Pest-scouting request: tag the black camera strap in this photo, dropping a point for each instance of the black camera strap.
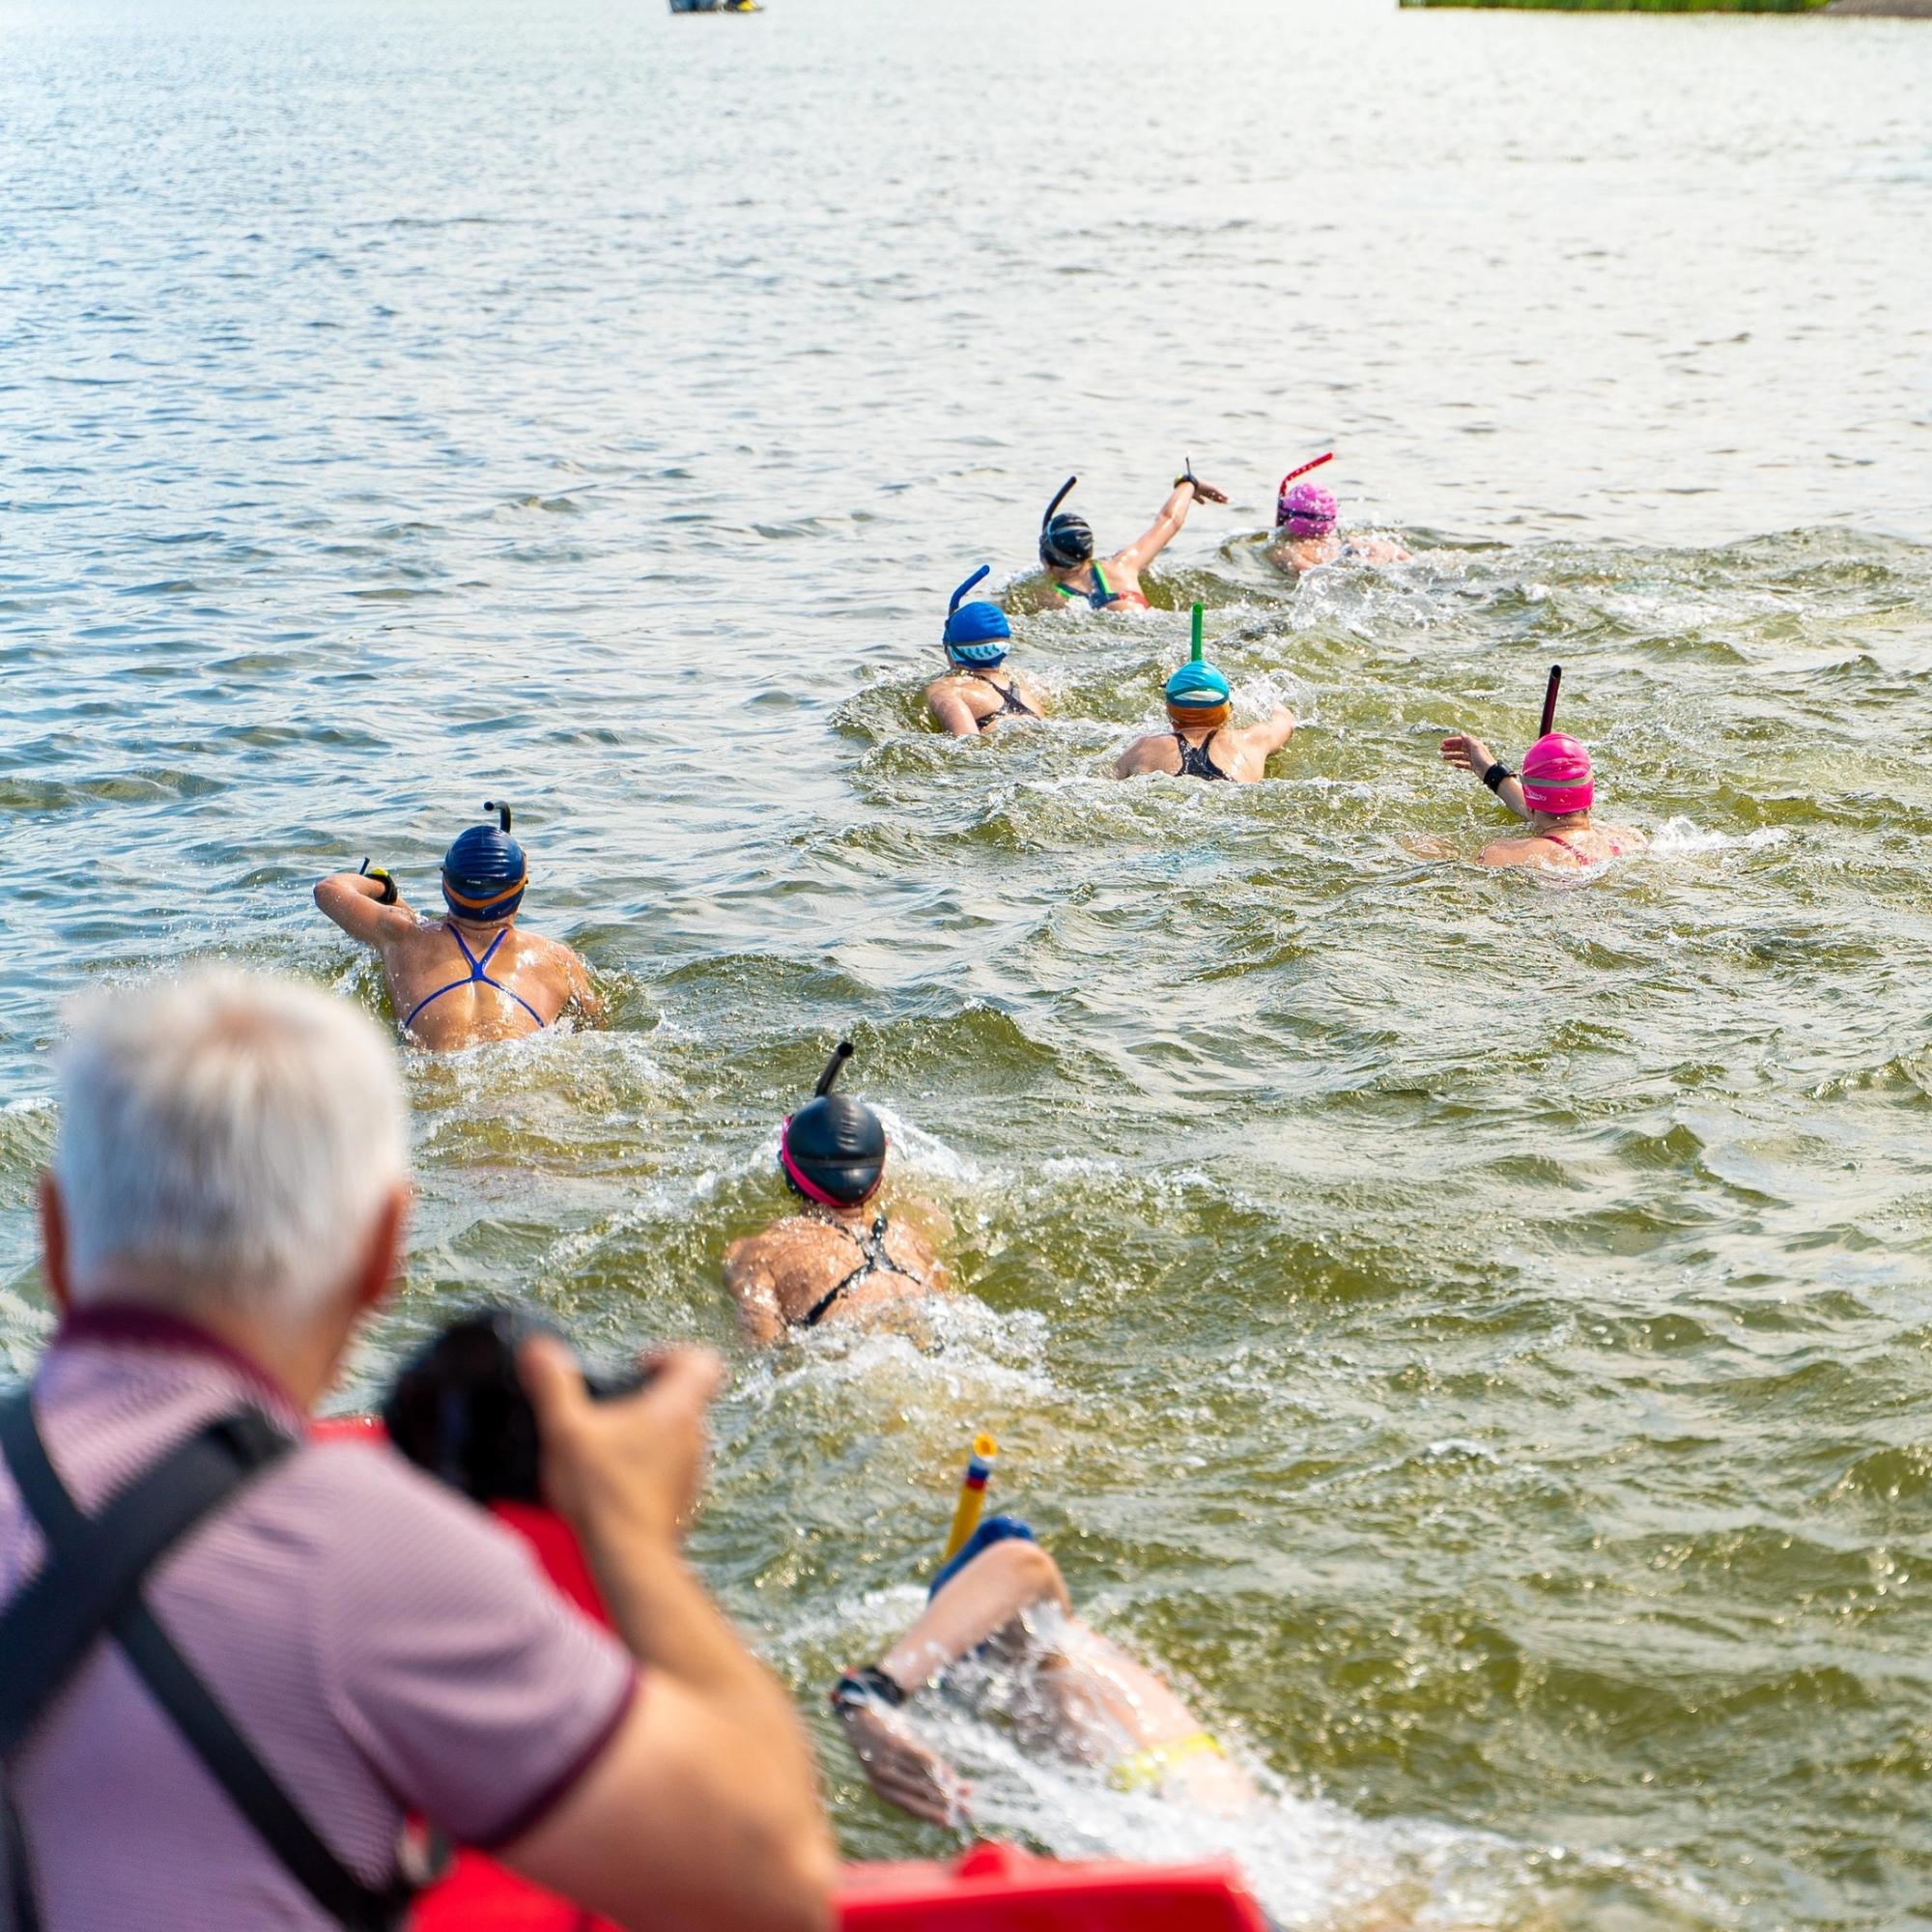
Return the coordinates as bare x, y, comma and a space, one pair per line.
90, 1587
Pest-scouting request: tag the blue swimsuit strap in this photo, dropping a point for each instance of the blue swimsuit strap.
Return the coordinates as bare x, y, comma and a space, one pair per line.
477, 977
1102, 593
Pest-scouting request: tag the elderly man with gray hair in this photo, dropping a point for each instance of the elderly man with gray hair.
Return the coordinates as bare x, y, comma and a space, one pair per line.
233, 1660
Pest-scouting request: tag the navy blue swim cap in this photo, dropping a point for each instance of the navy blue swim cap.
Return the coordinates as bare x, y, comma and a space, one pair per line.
1067, 542
973, 629
484, 874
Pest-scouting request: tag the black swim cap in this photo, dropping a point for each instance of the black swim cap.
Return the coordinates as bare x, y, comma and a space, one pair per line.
833, 1150
1065, 541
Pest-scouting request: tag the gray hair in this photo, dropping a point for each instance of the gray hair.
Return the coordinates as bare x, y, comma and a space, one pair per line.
229, 1137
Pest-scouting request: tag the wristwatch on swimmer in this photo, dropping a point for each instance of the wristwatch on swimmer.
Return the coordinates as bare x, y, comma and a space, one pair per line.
856, 1688
1495, 775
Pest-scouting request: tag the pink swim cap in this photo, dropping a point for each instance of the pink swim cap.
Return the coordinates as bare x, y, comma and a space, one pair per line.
1556, 776
1306, 511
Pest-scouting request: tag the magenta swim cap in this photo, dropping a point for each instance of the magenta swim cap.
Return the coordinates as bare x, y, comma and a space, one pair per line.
1556, 776
1306, 511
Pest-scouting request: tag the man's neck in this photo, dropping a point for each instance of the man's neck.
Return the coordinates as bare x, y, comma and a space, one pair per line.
301, 1359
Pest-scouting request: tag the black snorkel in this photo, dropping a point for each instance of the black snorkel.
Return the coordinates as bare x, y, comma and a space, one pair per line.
1550, 700
503, 812
833, 1150
844, 1051
1065, 542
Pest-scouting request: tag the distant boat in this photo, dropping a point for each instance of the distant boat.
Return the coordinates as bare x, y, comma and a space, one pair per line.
716, 6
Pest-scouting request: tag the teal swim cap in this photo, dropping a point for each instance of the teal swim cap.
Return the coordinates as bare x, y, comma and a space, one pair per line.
1198, 685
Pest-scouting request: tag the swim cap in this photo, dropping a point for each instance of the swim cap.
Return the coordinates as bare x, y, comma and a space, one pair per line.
1306, 511
1198, 687
973, 629
485, 871
833, 1150
1556, 776
1065, 541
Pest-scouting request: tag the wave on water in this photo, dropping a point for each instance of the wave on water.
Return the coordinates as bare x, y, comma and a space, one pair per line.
1682, 838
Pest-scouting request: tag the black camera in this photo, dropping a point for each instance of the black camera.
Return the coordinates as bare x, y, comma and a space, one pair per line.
458, 1408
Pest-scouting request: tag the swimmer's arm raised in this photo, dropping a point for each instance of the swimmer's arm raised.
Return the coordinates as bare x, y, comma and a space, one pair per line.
354, 902
1165, 527
1468, 753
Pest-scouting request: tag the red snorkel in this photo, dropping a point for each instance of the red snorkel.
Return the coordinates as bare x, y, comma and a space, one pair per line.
1327, 456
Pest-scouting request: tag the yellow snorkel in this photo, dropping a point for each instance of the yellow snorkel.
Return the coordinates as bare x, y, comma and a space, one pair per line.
972, 1503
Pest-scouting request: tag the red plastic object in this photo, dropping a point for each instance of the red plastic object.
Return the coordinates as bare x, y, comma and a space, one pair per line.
990, 1888
1001, 1888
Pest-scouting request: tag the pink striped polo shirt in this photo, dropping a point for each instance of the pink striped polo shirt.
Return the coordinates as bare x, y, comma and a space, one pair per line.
382, 1645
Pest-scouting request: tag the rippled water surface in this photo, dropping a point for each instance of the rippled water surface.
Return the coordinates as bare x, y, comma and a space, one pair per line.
1476, 1334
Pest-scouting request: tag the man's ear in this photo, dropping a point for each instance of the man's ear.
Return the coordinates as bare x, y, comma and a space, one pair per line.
53, 1243
382, 1267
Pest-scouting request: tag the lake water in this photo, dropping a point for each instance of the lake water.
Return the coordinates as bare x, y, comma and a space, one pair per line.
1478, 1335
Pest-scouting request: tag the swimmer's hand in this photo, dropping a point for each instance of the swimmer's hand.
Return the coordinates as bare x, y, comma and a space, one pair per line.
1467, 754
1206, 492
901, 1770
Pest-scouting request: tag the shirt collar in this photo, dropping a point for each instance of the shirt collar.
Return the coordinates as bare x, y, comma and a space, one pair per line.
134, 1325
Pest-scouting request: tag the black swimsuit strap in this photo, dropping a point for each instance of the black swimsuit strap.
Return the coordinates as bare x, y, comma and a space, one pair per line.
1195, 762
1010, 701
877, 1260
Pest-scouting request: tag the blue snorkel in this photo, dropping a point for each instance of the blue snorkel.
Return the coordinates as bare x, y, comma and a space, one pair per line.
976, 634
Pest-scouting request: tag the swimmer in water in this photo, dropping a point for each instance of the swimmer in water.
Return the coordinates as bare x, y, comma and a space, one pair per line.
1073, 572
1554, 795
970, 699
1305, 536
836, 1258
1203, 744
470, 976
1080, 1696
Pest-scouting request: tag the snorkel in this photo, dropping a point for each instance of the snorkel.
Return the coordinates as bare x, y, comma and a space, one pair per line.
1065, 542
1307, 510
977, 635
833, 1150
1198, 695
485, 871
1557, 778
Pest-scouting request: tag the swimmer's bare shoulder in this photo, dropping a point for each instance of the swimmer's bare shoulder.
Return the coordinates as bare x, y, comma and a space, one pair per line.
569, 969
1155, 753
909, 1243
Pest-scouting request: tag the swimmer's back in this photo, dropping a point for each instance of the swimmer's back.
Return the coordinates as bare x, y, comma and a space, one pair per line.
780, 1275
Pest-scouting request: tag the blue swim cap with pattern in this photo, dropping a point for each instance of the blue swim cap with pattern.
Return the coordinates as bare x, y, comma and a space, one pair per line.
977, 634
485, 871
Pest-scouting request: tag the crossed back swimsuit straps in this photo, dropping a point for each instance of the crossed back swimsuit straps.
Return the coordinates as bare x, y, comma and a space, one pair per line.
1103, 594
1581, 858
872, 1246
477, 977
1012, 704
1195, 763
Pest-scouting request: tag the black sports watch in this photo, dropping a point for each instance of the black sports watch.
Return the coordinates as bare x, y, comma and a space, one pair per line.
1495, 775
